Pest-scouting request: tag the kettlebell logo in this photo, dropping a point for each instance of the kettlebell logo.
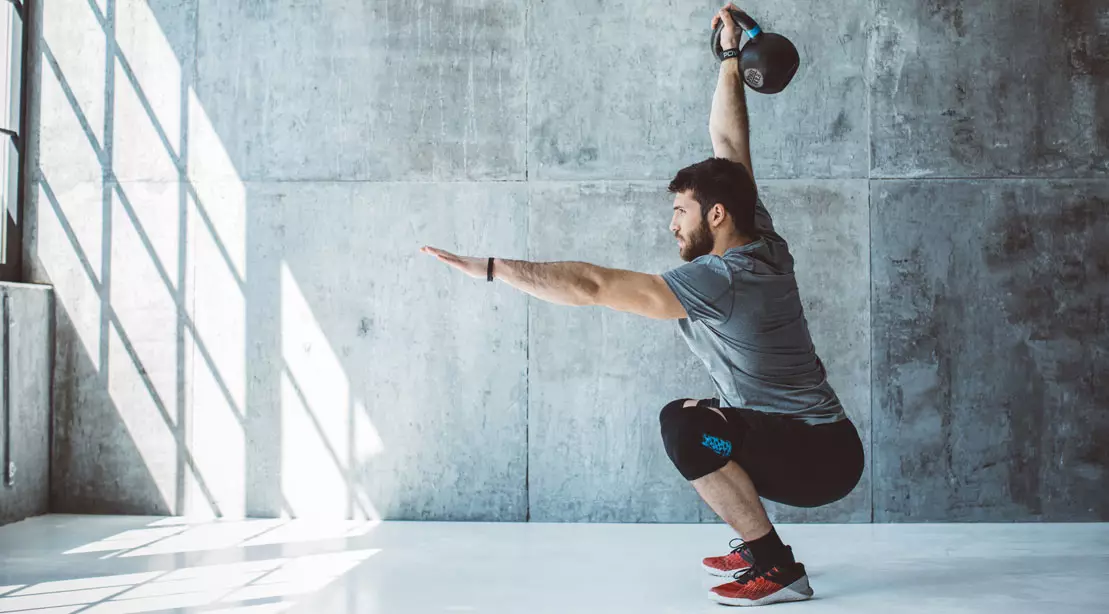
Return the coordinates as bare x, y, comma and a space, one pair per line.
753, 77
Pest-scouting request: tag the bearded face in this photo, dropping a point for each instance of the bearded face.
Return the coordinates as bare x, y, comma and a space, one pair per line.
696, 242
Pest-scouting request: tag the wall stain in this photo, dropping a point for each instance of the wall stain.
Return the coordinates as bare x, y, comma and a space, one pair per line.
950, 12
1052, 263
840, 127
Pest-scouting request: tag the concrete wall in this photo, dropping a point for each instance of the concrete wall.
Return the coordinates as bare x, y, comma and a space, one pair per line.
229, 197
27, 324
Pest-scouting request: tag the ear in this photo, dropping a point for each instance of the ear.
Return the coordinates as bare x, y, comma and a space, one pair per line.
717, 214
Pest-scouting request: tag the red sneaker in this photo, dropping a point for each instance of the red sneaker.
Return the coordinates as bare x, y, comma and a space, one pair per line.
758, 586
728, 565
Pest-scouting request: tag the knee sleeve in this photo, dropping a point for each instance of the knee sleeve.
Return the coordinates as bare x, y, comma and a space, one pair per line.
697, 440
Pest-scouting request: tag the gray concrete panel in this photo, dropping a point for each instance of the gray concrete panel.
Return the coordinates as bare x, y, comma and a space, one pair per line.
987, 89
381, 382
68, 92
989, 341
151, 85
382, 90
119, 385
109, 89
623, 90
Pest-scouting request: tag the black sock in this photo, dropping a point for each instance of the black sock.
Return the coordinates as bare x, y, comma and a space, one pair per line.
769, 550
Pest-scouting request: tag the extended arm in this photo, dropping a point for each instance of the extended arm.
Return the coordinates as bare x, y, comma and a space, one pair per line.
563, 283
581, 283
728, 125
577, 283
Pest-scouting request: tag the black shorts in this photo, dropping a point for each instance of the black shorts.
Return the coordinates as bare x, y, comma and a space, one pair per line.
792, 462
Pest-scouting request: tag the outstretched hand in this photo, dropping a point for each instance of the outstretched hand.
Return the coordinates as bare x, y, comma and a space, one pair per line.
474, 267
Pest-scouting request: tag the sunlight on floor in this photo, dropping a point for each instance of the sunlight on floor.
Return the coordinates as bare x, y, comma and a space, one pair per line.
176, 535
187, 587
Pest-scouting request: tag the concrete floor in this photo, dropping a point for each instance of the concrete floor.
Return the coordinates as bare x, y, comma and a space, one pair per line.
110, 564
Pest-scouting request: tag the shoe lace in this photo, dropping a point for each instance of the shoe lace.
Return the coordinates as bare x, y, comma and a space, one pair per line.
736, 548
751, 573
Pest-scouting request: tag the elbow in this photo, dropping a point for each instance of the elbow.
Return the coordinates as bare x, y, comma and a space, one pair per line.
589, 294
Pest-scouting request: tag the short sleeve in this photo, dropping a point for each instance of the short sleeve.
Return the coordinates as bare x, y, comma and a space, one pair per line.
704, 288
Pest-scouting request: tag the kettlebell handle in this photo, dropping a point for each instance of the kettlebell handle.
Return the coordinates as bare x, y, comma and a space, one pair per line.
744, 21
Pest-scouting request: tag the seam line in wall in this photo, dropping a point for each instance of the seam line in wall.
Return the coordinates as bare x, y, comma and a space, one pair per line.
867, 76
527, 256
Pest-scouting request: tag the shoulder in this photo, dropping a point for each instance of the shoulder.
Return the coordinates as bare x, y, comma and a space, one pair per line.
710, 274
709, 264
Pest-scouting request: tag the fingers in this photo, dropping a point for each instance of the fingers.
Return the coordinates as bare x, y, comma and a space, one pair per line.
722, 15
726, 15
448, 259
438, 253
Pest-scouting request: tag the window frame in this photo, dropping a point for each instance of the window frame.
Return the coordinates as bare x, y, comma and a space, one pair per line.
11, 266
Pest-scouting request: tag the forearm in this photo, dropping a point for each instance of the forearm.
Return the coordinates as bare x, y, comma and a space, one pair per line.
564, 283
728, 125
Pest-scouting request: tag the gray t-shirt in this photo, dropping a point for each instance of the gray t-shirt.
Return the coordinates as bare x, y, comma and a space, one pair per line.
747, 325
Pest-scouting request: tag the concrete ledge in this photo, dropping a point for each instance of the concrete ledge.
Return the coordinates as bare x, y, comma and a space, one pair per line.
27, 324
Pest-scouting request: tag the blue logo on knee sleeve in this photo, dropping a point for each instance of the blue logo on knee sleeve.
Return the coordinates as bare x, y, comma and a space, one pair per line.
720, 446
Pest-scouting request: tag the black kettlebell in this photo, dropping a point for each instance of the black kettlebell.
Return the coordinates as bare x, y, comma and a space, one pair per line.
767, 61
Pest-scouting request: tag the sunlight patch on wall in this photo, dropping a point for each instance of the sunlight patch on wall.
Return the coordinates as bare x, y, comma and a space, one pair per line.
148, 422
73, 266
149, 97
217, 361
315, 411
76, 39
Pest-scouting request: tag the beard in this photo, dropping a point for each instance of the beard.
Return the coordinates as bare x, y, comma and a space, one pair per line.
697, 244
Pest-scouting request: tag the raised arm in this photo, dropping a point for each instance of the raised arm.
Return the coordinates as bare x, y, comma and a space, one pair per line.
728, 126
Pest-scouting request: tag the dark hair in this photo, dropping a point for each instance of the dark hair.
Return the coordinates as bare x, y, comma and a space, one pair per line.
719, 180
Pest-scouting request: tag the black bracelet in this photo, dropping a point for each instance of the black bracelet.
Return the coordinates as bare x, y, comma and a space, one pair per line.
489, 272
729, 53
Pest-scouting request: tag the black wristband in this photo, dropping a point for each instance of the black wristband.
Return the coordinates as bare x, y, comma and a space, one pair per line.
489, 272
729, 53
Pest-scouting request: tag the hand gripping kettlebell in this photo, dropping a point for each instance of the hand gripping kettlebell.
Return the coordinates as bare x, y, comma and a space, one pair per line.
767, 61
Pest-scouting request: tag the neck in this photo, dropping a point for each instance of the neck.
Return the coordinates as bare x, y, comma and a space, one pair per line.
724, 244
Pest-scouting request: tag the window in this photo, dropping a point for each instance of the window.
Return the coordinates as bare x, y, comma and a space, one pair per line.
11, 147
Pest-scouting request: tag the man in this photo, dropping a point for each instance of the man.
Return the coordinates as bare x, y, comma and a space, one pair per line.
777, 429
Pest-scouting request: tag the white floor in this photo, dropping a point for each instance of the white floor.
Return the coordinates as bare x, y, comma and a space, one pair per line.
100, 565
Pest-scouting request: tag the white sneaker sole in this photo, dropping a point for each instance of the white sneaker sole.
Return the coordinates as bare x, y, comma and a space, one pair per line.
723, 573
798, 591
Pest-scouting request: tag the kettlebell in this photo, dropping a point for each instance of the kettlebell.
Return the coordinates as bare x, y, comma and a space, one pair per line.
767, 61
